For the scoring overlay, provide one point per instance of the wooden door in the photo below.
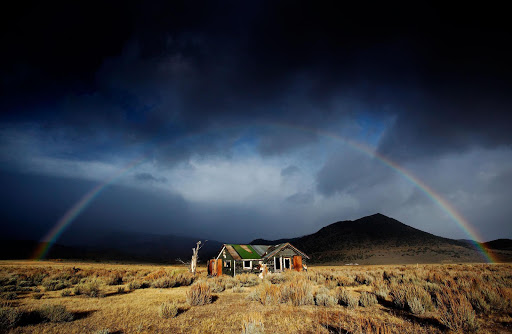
(219, 267)
(297, 263)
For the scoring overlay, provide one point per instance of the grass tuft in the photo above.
(55, 313)
(367, 299)
(168, 310)
(199, 294)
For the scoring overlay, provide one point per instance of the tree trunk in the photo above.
(193, 263)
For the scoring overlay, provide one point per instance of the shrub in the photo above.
(9, 281)
(297, 292)
(114, 279)
(199, 294)
(455, 312)
(416, 297)
(9, 295)
(168, 310)
(238, 289)
(120, 290)
(75, 280)
(411, 297)
(266, 294)
(367, 299)
(184, 279)
(431, 288)
(346, 281)
(55, 313)
(364, 279)
(8, 288)
(66, 293)
(37, 277)
(248, 279)
(381, 292)
(134, 285)
(90, 288)
(494, 297)
(415, 306)
(324, 298)
(103, 331)
(277, 278)
(26, 283)
(6, 303)
(9, 318)
(398, 296)
(164, 283)
(346, 298)
(156, 275)
(55, 285)
(331, 284)
(253, 327)
(38, 295)
(216, 285)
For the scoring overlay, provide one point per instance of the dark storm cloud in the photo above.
(32, 205)
(300, 198)
(349, 172)
(85, 88)
(139, 71)
(290, 170)
(148, 177)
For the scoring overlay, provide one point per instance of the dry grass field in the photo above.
(59, 297)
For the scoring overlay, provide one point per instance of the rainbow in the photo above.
(70, 215)
(51, 237)
(435, 197)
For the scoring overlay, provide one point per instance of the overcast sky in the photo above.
(236, 111)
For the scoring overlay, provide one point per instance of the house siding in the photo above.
(236, 267)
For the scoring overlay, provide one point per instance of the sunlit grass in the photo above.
(362, 299)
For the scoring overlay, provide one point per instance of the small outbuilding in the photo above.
(237, 259)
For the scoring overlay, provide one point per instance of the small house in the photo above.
(237, 259)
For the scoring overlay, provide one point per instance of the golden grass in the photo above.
(411, 299)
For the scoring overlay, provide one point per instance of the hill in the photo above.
(374, 239)
(378, 239)
(118, 246)
(499, 244)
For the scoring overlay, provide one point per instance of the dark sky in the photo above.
(230, 101)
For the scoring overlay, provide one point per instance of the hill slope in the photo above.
(118, 246)
(378, 239)
(499, 244)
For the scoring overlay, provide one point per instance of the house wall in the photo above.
(284, 253)
(236, 266)
(226, 259)
(287, 252)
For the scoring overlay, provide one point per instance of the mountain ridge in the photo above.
(379, 239)
(374, 239)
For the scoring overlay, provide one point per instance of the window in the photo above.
(287, 263)
(227, 264)
(247, 264)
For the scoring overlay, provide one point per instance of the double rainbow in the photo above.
(51, 237)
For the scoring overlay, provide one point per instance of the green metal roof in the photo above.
(246, 252)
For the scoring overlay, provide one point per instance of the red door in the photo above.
(219, 267)
(297, 263)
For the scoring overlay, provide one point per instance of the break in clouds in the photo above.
(233, 112)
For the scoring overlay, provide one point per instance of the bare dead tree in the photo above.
(195, 256)
(183, 262)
